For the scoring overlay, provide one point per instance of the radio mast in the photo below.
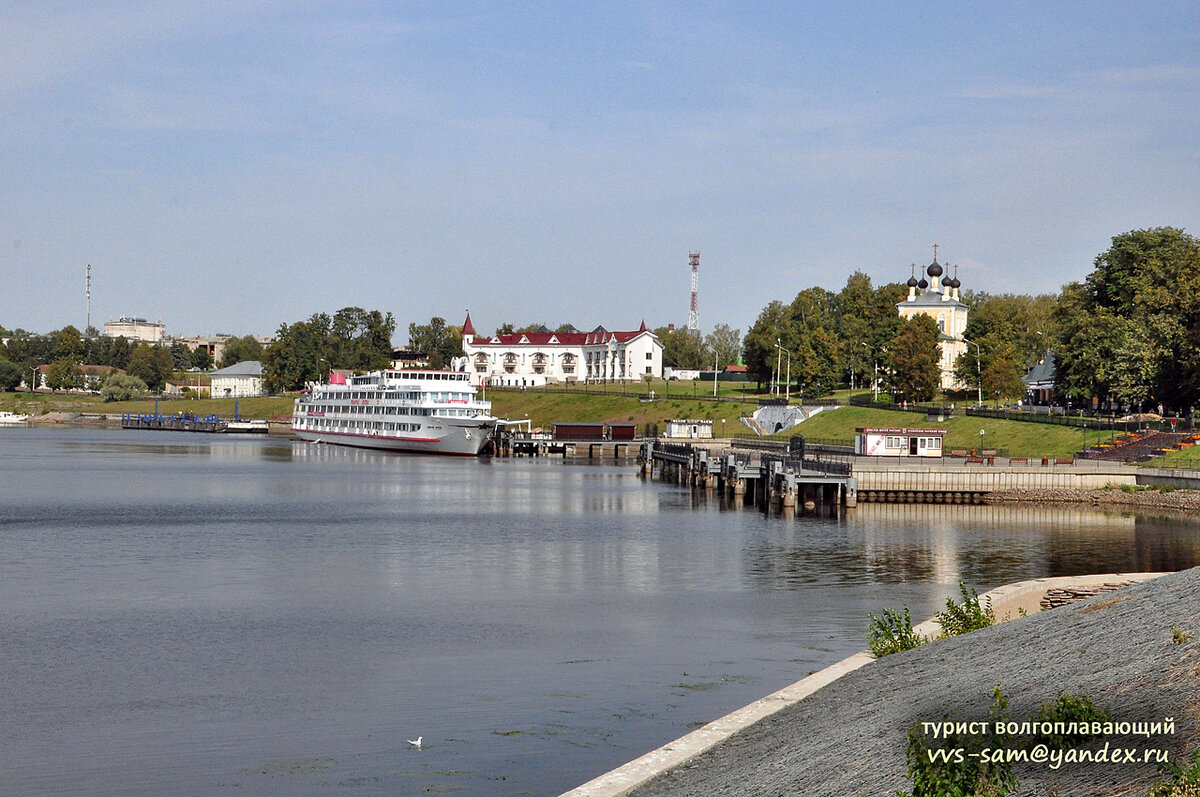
(694, 314)
(88, 293)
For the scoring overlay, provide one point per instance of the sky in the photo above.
(227, 167)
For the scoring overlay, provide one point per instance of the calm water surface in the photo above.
(184, 614)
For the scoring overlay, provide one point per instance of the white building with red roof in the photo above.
(529, 359)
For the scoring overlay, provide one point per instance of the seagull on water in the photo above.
(415, 742)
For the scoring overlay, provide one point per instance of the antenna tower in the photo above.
(694, 313)
(88, 293)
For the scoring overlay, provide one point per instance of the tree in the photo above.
(441, 342)
(63, 374)
(10, 376)
(1131, 331)
(913, 357)
(759, 344)
(122, 387)
(152, 364)
(238, 350)
(680, 348)
(724, 343)
(361, 340)
(296, 355)
(68, 344)
(203, 360)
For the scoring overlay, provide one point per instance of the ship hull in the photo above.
(464, 440)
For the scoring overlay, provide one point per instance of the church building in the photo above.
(938, 298)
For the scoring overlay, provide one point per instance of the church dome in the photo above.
(912, 282)
(953, 282)
(923, 284)
(935, 269)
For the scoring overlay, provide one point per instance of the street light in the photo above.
(788, 381)
(978, 374)
(981, 442)
(779, 349)
(875, 381)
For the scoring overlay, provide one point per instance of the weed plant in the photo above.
(892, 633)
(1068, 708)
(960, 770)
(970, 615)
(1176, 781)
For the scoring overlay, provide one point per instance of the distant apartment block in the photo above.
(135, 329)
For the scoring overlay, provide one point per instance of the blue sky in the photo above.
(230, 166)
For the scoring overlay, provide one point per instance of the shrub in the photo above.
(960, 769)
(122, 387)
(971, 615)
(891, 633)
(1069, 709)
(1175, 781)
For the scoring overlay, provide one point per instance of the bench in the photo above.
(988, 453)
(958, 452)
(1064, 462)
(1018, 461)
(974, 460)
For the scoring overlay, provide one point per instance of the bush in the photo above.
(971, 615)
(1069, 709)
(10, 376)
(960, 770)
(892, 633)
(122, 387)
(1175, 781)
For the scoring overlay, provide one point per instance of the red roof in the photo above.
(561, 338)
(468, 327)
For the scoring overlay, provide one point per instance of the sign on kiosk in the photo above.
(899, 442)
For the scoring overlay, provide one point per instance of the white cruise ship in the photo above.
(434, 412)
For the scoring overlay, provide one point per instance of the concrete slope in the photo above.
(850, 737)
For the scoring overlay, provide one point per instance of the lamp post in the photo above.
(978, 373)
(787, 382)
(778, 354)
(981, 442)
(716, 354)
(875, 381)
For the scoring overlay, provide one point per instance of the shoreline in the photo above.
(1128, 497)
(1137, 498)
(1007, 601)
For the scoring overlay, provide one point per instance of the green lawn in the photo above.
(1184, 459)
(41, 403)
(674, 400)
(1013, 438)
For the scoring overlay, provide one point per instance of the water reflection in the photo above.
(535, 619)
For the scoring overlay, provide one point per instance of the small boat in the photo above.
(7, 417)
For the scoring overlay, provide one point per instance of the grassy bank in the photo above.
(624, 404)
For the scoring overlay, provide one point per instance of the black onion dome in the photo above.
(934, 270)
(922, 284)
(912, 282)
(953, 282)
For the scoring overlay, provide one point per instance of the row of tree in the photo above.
(1127, 335)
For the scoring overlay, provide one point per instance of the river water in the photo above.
(192, 614)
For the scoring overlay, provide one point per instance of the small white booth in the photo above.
(899, 442)
(690, 429)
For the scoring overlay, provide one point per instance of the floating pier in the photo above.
(785, 480)
(174, 423)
